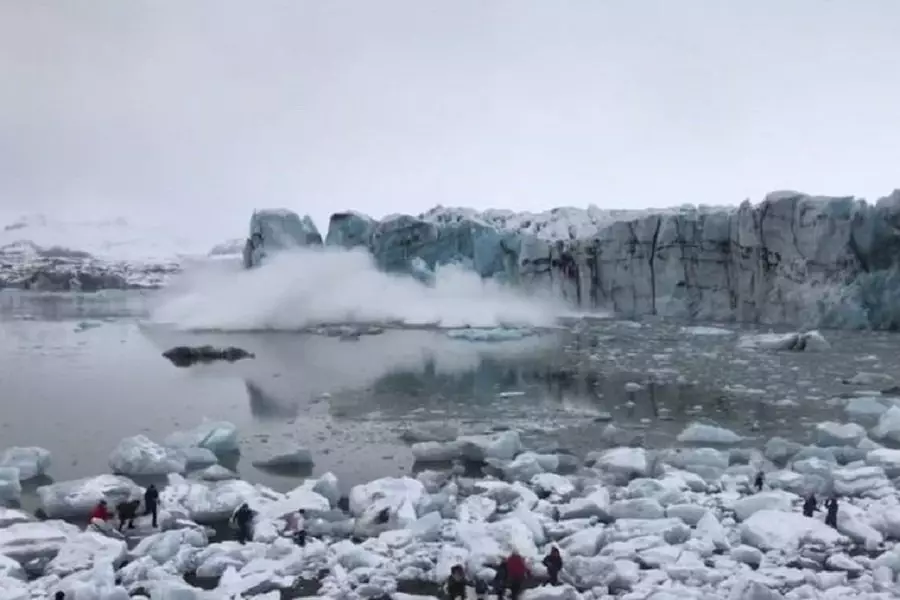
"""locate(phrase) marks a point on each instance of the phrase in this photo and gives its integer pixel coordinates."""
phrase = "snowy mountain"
(42, 253)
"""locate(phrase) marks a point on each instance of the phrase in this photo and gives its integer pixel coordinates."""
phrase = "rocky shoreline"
(631, 523)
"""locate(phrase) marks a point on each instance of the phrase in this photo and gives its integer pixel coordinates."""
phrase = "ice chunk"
(207, 502)
(275, 230)
(887, 459)
(27, 541)
(84, 550)
(31, 461)
(292, 459)
(778, 530)
(215, 473)
(888, 427)
(492, 334)
(625, 461)
(140, 456)
(198, 458)
(838, 434)
(398, 496)
(502, 446)
(437, 451)
(10, 488)
(702, 433)
(811, 341)
(349, 230)
(769, 501)
(221, 437)
(595, 504)
(865, 406)
(77, 498)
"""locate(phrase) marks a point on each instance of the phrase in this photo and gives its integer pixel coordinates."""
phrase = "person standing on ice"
(242, 518)
(297, 527)
(127, 511)
(516, 573)
(456, 583)
(151, 503)
(810, 505)
(831, 507)
(554, 564)
(101, 512)
(759, 481)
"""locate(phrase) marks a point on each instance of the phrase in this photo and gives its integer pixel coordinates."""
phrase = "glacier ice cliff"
(273, 230)
(793, 258)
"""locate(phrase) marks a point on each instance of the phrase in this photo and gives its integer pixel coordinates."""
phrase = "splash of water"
(303, 288)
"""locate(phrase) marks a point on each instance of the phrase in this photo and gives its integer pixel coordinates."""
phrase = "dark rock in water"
(186, 356)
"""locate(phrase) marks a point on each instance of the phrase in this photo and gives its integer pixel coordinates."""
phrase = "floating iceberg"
(31, 461)
(140, 456)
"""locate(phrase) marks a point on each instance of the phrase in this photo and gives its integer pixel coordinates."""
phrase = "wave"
(308, 287)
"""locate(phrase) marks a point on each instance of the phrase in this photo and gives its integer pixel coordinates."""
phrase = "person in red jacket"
(101, 511)
(516, 573)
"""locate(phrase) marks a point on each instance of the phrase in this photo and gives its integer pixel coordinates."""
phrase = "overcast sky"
(145, 107)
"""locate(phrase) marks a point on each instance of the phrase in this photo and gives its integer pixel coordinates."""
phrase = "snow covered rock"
(220, 437)
(31, 461)
(140, 456)
(77, 498)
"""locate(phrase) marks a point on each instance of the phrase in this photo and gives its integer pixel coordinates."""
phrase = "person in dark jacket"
(516, 574)
(500, 580)
(759, 481)
(810, 505)
(481, 589)
(831, 508)
(456, 583)
(101, 512)
(243, 517)
(151, 503)
(59, 596)
(554, 564)
(126, 512)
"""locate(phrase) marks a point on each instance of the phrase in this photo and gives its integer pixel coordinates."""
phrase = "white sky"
(203, 110)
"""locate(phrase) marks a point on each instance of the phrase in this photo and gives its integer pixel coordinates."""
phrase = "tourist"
(297, 527)
(554, 564)
(481, 589)
(126, 512)
(516, 573)
(456, 583)
(151, 503)
(101, 512)
(831, 506)
(500, 580)
(242, 518)
(59, 596)
(810, 505)
(759, 481)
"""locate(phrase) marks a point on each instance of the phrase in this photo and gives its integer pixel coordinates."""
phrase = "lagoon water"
(78, 373)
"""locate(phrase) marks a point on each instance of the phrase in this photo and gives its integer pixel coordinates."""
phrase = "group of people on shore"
(127, 511)
(511, 575)
(810, 505)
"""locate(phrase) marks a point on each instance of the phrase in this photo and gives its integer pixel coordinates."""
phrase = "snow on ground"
(630, 523)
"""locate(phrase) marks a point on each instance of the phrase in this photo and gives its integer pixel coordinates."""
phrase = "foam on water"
(303, 288)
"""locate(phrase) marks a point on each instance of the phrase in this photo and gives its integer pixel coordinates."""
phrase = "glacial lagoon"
(79, 373)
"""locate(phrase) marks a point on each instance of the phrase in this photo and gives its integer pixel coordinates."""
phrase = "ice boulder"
(779, 530)
(830, 433)
(140, 456)
(888, 428)
(810, 341)
(77, 498)
(702, 433)
(27, 541)
(206, 502)
(295, 458)
(631, 462)
(395, 497)
(220, 437)
(769, 501)
(31, 461)
(10, 487)
(502, 446)
(84, 550)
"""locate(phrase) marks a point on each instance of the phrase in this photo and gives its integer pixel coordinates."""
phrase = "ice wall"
(792, 258)
(273, 230)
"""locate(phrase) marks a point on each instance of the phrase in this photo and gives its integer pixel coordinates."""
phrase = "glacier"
(791, 259)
